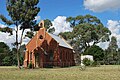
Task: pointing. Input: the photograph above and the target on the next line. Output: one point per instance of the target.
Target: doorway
(37, 60)
(50, 60)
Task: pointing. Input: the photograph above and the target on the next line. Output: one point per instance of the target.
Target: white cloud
(37, 18)
(61, 25)
(101, 5)
(103, 45)
(9, 39)
(6, 38)
(2, 26)
(114, 27)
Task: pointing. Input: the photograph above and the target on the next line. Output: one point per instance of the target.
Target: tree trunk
(17, 47)
(21, 38)
(20, 43)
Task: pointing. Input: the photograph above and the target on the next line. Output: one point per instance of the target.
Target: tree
(4, 53)
(22, 12)
(66, 35)
(96, 52)
(86, 30)
(113, 44)
(29, 34)
(48, 25)
(14, 56)
(118, 56)
(8, 56)
(112, 50)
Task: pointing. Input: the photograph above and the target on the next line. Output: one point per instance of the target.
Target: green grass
(109, 72)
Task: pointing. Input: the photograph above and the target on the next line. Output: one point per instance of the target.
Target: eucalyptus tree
(86, 30)
(22, 13)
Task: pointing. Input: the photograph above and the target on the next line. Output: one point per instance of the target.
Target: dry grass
(73, 73)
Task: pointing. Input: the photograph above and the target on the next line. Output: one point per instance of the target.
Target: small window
(41, 25)
(41, 37)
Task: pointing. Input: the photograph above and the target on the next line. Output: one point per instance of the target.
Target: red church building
(48, 50)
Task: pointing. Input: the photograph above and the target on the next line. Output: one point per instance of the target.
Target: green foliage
(66, 35)
(51, 30)
(47, 24)
(23, 12)
(95, 64)
(112, 53)
(4, 52)
(86, 62)
(9, 57)
(6, 29)
(14, 56)
(7, 61)
(86, 29)
(3, 45)
(30, 65)
(113, 47)
(118, 53)
(29, 34)
(113, 44)
(96, 52)
(4, 19)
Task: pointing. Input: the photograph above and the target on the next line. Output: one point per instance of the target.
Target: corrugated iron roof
(61, 41)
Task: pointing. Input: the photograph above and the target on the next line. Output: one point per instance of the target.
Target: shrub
(30, 65)
(7, 61)
(86, 62)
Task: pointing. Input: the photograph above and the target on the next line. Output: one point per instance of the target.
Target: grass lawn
(108, 72)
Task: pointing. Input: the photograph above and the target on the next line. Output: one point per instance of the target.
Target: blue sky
(52, 8)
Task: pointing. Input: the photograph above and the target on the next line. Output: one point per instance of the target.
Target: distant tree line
(8, 56)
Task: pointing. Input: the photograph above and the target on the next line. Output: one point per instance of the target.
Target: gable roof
(61, 41)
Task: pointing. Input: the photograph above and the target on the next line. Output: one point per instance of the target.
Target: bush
(95, 64)
(7, 61)
(86, 62)
(30, 65)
